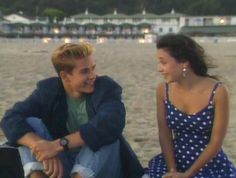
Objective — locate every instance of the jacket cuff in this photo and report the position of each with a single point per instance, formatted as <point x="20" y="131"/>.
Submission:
<point x="14" y="137"/>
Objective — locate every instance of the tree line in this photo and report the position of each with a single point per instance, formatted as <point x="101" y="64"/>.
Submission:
<point x="61" y="8"/>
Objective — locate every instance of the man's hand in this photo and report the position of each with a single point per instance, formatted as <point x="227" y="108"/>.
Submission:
<point x="53" y="167"/>
<point x="44" y="149"/>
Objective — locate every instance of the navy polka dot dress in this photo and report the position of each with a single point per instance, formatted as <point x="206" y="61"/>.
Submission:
<point x="191" y="136"/>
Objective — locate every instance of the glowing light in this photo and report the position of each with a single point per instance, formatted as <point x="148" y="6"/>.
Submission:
<point x="101" y="40"/>
<point x="141" y="40"/>
<point x="222" y="21"/>
<point x="146" y="30"/>
<point x="81" y="40"/>
<point x="56" y="30"/>
<point x="67" y="40"/>
<point x="46" y="40"/>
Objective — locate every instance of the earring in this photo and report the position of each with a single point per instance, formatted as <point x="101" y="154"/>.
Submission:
<point x="184" y="72"/>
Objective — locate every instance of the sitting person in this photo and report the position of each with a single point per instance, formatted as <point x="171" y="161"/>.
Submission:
<point x="71" y="125"/>
<point x="192" y="114"/>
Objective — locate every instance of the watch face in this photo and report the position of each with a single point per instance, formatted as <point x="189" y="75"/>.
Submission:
<point x="64" y="141"/>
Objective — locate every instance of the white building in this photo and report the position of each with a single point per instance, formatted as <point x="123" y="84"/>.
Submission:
<point x="120" y="25"/>
<point x="15" y="18"/>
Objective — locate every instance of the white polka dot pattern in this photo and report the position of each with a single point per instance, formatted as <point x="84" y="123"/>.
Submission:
<point x="191" y="136"/>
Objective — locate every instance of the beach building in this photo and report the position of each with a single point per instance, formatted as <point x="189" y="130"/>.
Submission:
<point x="116" y="25"/>
<point x="209" y="25"/>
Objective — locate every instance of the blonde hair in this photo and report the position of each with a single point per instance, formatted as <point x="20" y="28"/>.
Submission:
<point x="63" y="58"/>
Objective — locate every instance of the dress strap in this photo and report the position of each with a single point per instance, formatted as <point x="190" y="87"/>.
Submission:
<point x="167" y="91"/>
<point x="214" y="92"/>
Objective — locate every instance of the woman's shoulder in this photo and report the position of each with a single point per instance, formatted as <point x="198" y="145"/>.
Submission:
<point x="161" y="86"/>
<point x="161" y="89"/>
<point x="214" y="84"/>
<point x="218" y="88"/>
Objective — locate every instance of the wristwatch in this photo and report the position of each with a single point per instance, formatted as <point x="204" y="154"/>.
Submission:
<point x="64" y="142"/>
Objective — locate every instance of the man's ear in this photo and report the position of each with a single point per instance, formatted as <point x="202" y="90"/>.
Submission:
<point x="64" y="76"/>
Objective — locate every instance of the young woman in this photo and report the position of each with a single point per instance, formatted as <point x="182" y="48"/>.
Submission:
<point x="192" y="112"/>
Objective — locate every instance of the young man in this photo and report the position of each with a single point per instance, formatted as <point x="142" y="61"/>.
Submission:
<point x="71" y="125"/>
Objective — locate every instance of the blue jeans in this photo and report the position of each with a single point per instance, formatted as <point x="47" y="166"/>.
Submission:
<point x="105" y="163"/>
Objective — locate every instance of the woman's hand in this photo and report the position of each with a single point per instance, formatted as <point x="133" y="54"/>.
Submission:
<point x="169" y="174"/>
<point x="178" y="175"/>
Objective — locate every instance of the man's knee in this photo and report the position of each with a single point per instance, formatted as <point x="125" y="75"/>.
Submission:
<point x="106" y="161"/>
<point x="76" y="175"/>
<point x="37" y="174"/>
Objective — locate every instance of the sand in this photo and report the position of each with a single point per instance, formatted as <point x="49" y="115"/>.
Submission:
<point x="133" y="65"/>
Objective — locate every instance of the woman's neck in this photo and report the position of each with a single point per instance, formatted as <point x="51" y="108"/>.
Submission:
<point x="189" y="82"/>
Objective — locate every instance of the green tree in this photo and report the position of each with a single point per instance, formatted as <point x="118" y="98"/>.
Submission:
<point x="205" y="7"/>
<point x="52" y="13"/>
<point x="71" y="7"/>
<point x="229" y="7"/>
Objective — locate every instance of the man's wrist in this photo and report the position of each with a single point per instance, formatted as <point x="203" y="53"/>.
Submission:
<point x="64" y="142"/>
<point x="29" y="139"/>
<point x="57" y="146"/>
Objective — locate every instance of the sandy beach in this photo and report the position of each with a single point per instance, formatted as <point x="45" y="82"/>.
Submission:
<point x="133" y="65"/>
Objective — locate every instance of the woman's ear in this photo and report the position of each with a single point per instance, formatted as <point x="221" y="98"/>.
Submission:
<point x="186" y="64"/>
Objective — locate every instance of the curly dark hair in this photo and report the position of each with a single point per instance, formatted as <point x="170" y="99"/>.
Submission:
<point x="183" y="49"/>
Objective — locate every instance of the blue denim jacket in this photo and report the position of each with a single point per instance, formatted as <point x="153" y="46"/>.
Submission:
<point x="104" y="107"/>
